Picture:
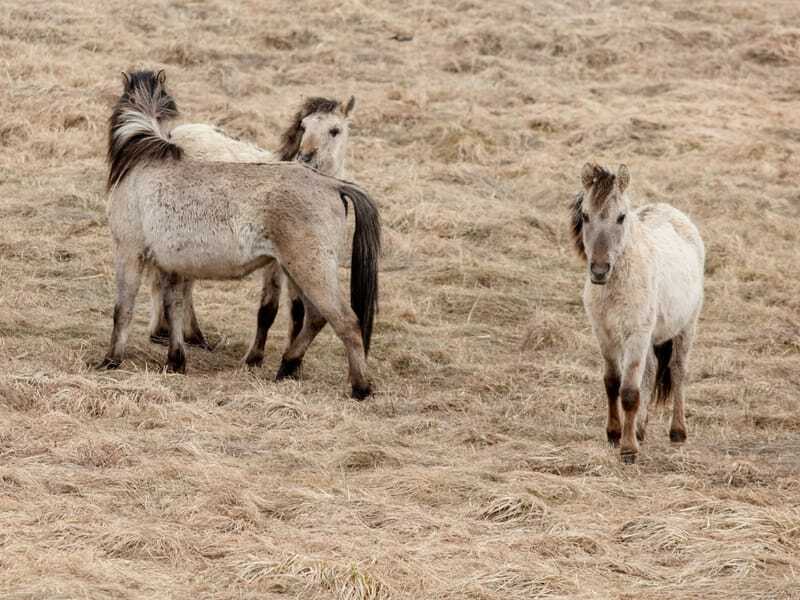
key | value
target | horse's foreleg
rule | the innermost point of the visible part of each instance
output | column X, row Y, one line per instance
column 646, row 394
column 611, row 379
column 634, row 364
column 128, row 278
column 270, row 299
column 159, row 331
column 172, row 287
column 681, row 345
column 192, row 333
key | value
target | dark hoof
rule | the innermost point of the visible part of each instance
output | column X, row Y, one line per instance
column 677, row 436
column 254, row 361
column 613, row 438
column 640, row 434
column 158, row 338
column 179, row 368
column 359, row 393
column 629, row 458
column 199, row 341
column 108, row 364
column 289, row 369
column 176, row 362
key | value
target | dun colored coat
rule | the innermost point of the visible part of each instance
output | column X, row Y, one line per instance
column 643, row 295
column 193, row 220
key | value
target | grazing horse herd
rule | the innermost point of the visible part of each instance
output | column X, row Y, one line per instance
column 192, row 203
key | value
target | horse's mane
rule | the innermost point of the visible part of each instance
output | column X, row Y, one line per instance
column 601, row 183
column 291, row 138
column 135, row 131
column 576, row 224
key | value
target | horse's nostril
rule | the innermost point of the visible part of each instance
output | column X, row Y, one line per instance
column 307, row 157
column 600, row 269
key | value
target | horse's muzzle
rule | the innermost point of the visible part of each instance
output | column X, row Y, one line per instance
column 599, row 272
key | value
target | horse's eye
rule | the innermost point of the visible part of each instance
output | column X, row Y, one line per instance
column 585, row 217
column 621, row 218
column 335, row 131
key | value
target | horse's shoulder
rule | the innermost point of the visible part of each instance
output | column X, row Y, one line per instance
column 662, row 214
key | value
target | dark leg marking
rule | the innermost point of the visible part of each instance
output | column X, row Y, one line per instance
column 289, row 369
column 613, row 427
column 298, row 313
column 359, row 393
column 266, row 316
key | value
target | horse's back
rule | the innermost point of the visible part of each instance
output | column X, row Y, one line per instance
column 206, row 143
column 679, row 255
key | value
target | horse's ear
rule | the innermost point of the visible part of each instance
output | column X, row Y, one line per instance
column 349, row 106
column 587, row 176
column 161, row 76
column 624, row 177
column 125, row 80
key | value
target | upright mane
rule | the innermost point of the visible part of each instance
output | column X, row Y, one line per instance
column 291, row 138
column 601, row 183
column 135, row 131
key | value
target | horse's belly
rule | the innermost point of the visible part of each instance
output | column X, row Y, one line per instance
column 209, row 261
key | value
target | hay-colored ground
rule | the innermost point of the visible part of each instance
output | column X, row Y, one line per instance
column 480, row 469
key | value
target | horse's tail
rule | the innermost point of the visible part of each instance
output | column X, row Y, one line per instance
column 366, row 252
column 663, row 384
column 135, row 133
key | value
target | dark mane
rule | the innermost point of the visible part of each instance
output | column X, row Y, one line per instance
column 576, row 224
column 291, row 138
column 135, row 131
column 602, row 186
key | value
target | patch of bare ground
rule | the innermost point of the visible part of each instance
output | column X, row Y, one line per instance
column 480, row 469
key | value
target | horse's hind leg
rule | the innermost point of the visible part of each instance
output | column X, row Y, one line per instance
column 159, row 331
column 172, row 288
column 298, row 311
column 192, row 333
column 319, row 283
column 681, row 345
column 313, row 322
column 270, row 298
column 128, row 278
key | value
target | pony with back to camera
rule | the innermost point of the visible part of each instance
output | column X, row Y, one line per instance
column 317, row 136
column 643, row 295
column 193, row 220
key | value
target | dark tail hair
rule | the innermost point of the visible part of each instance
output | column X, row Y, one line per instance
column 135, row 131
column 663, row 384
column 366, row 252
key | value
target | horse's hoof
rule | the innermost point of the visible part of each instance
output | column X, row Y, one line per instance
column 179, row 368
column 613, row 438
column 289, row 369
column 640, row 434
column 254, row 361
column 629, row 458
column 108, row 364
column 359, row 393
column 677, row 436
column 199, row 341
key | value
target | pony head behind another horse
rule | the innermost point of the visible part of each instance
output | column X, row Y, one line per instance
column 599, row 225
column 318, row 135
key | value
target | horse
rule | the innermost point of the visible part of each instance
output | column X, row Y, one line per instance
column 208, row 220
column 643, row 296
column 316, row 136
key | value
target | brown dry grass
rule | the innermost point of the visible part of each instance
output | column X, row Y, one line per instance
column 480, row 469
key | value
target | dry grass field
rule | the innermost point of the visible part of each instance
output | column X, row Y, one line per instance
column 480, row 468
